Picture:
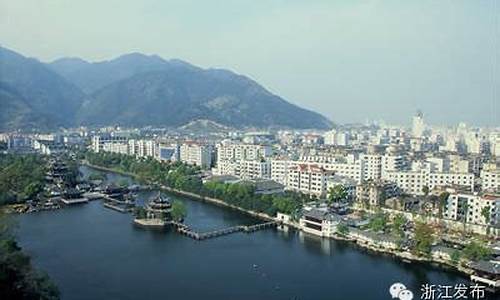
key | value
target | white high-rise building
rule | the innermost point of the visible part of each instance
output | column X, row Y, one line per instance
column 490, row 177
column 336, row 138
column 196, row 154
column 473, row 208
column 279, row 170
column 413, row 182
column 253, row 169
column 308, row 179
column 228, row 150
column 495, row 144
column 372, row 166
column 98, row 141
column 418, row 125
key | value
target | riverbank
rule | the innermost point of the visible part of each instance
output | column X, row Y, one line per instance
column 219, row 202
column 404, row 256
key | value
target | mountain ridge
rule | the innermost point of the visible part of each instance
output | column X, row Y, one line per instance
column 142, row 90
column 31, row 82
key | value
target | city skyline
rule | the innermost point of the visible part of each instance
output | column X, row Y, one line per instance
column 249, row 149
column 351, row 64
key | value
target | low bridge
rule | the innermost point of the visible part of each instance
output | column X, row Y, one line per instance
column 187, row 231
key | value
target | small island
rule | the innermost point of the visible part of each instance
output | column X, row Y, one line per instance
column 157, row 213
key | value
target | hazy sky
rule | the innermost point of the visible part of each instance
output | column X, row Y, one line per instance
column 349, row 60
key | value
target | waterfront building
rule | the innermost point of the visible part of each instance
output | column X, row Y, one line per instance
column 319, row 221
column 486, row 273
column 157, row 213
column 73, row 196
column 158, row 209
column 373, row 239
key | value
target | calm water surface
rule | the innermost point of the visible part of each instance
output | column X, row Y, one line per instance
column 95, row 253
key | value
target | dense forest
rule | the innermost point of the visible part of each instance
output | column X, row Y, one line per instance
column 184, row 177
column 21, row 177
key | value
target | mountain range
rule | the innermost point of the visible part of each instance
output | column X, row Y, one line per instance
column 137, row 90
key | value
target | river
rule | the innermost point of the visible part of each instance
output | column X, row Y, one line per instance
column 95, row 253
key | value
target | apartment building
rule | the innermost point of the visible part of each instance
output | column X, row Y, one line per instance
column 253, row 169
column 375, row 192
column 196, row 154
column 308, row 179
column 169, row 152
column 145, row 148
column 490, row 177
column 98, row 141
column 279, row 170
column 392, row 163
column 413, row 182
column 473, row 208
column 351, row 169
column 347, row 183
column 228, row 150
column 121, row 148
column 371, row 166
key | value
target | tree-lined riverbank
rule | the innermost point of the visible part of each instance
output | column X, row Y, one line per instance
column 21, row 178
column 242, row 198
column 181, row 177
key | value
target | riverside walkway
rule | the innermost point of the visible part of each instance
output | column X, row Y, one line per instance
column 187, row 231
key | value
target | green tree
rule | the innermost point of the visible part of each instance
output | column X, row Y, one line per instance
column 18, row 278
column 455, row 257
column 140, row 212
column 21, row 177
column 122, row 182
column 397, row 225
column 423, row 238
column 32, row 189
column 476, row 251
column 337, row 193
column 425, row 190
column 378, row 222
column 443, row 199
column 485, row 212
column 179, row 211
column 97, row 176
column 342, row 229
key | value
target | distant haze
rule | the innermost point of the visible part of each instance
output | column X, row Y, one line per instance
column 349, row 60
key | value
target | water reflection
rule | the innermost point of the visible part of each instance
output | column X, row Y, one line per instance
column 314, row 243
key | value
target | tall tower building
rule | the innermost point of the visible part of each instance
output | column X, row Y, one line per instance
column 418, row 125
